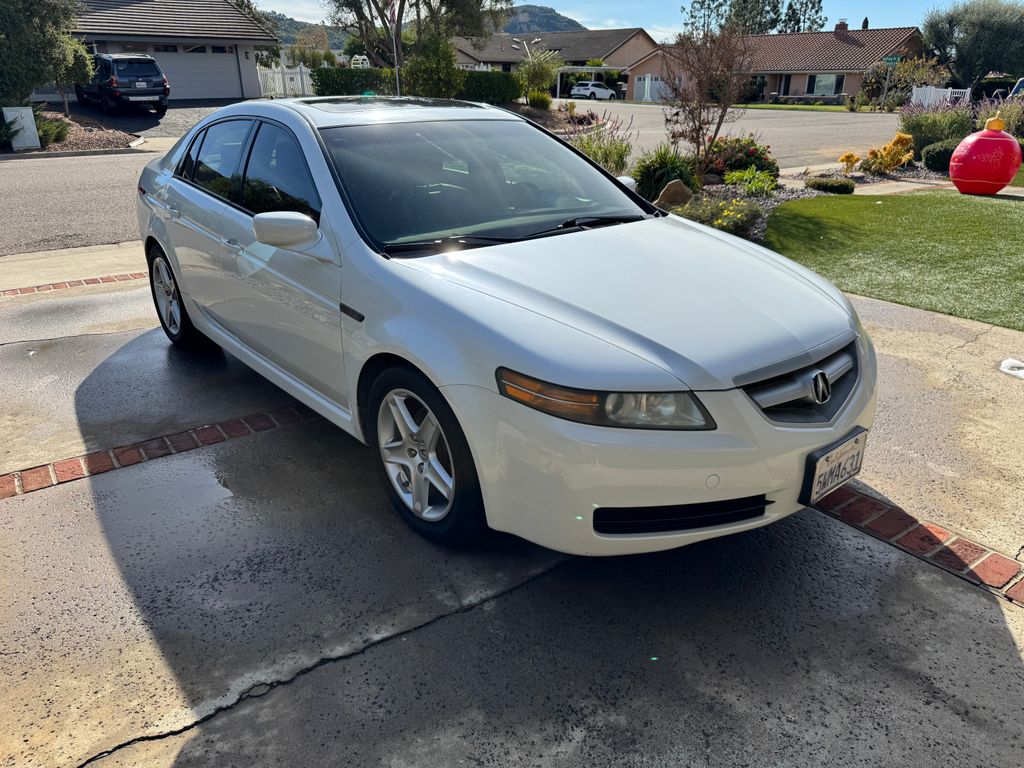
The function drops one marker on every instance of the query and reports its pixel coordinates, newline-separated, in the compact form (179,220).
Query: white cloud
(664,34)
(303,10)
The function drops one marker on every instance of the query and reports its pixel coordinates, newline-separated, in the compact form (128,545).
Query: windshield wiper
(587,222)
(441,242)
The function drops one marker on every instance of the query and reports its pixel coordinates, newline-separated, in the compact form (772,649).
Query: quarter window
(216,166)
(188,162)
(276,176)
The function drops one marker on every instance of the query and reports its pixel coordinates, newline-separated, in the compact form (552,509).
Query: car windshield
(497,180)
(136,68)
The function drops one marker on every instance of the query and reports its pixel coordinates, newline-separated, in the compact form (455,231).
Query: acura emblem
(821,390)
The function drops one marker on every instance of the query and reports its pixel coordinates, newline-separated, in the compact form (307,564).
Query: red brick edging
(63,471)
(74,283)
(928,541)
(954,553)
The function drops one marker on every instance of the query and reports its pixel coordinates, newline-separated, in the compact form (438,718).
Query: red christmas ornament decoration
(985,161)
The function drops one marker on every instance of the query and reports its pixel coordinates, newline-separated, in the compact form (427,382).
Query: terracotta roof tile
(854,50)
(571,46)
(194,19)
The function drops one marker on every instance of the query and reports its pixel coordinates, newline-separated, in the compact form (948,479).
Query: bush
(609,146)
(657,167)
(893,155)
(353,82)
(832,186)
(1012,113)
(539,100)
(849,161)
(735,153)
(754,182)
(538,72)
(432,71)
(936,156)
(491,87)
(928,125)
(737,217)
(51,131)
(852,104)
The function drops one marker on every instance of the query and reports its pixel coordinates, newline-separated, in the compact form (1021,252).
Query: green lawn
(942,251)
(803,107)
(1018,180)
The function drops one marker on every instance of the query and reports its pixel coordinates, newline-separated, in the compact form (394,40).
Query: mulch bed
(87,132)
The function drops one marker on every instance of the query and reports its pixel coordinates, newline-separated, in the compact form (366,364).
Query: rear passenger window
(217,164)
(188,162)
(276,177)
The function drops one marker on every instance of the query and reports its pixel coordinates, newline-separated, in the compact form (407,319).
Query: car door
(195,201)
(283,303)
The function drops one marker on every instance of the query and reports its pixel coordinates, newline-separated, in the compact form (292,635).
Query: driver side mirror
(285,229)
(628,181)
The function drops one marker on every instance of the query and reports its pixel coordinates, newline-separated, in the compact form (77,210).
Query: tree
(310,57)
(354,45)
(755,17)
(432,70)
(864,24)
(803,16)
(706,72)
(976,37)
(36,45)
(76,68)
(902,77)
(269,56)
(539,70)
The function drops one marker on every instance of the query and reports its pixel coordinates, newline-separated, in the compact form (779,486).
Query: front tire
(167,299)
(424,459)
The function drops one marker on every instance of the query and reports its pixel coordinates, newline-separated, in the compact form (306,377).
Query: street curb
(993,571)
(46,287)
(134,149)
(24,481)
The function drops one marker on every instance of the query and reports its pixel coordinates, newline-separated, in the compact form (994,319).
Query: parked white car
(592,90)
(525,343)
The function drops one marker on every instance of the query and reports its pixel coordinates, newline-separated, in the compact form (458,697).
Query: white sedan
(592,90)
(526,344)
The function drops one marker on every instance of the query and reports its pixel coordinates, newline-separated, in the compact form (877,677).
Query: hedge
(936,156)
(832,186)
(489,87)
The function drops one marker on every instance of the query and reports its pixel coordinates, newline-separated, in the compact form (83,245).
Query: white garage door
(201,74)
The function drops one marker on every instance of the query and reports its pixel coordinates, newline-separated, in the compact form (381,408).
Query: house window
(784,88)
(195,49)
(133,47)
(825,85)
(162,48)
(222,49)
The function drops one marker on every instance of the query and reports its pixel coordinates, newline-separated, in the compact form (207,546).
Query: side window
(216,165)
(188,162)
(276,176)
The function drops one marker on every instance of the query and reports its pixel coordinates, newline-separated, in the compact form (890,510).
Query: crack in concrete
(74,336)
(261,689)
(967,343)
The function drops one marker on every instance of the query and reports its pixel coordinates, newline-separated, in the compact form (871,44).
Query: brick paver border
(978,564)
(45,287)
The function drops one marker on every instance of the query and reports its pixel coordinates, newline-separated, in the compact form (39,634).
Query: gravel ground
(767,204)
(900,174)
(180,116)
(87,133)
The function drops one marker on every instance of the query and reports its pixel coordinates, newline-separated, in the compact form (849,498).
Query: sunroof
(358,103)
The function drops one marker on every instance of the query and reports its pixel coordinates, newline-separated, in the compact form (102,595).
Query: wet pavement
(256,602)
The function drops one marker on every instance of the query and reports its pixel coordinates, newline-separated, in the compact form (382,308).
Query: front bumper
(543,477)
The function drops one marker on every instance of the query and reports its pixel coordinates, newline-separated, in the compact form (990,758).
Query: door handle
(233,244)
(173,212)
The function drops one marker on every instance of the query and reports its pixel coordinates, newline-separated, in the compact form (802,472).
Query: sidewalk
(28,269)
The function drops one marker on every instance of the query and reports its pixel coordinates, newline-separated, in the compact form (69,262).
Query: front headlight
(635,410)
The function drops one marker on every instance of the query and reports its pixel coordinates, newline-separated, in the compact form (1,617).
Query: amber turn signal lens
(574,404)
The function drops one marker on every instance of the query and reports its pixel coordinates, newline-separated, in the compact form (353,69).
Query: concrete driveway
(253,601)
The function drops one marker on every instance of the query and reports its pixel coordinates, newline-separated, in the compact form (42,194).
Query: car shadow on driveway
(181,115)
(266,606)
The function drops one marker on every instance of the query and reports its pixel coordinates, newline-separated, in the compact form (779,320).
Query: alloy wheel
(165,291)
(416,455)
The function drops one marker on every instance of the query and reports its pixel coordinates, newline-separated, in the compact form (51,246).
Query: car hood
(707,307)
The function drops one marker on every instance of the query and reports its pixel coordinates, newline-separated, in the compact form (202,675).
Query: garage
(207,48)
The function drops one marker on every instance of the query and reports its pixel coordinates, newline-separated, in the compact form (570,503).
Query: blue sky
(661,17)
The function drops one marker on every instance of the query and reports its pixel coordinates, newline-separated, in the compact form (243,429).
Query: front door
(283,303)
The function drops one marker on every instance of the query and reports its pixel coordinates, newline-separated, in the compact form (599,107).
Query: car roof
(125,56)
(332,111)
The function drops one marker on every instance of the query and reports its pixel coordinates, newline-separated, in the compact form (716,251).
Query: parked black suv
(125,78)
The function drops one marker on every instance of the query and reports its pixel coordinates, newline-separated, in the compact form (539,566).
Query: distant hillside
(288,29)
(539,18)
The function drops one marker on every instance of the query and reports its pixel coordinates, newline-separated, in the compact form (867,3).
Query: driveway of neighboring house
(181,115)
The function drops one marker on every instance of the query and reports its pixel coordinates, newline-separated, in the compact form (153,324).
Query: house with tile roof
(207,48)
(800,66)
(616,47)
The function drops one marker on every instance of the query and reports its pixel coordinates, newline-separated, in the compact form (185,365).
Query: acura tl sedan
(524,342)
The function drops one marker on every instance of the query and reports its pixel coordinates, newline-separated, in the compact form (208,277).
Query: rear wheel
(160,109)
(592,96)
(170,308)
(106,104)
(424,458)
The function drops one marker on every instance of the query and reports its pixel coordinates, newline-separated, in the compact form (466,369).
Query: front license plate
(833,465)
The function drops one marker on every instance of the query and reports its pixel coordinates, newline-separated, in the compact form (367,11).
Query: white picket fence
(280,82)
(930,96)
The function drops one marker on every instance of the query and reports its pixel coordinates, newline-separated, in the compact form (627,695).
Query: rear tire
(160,111)
(423,458)
(592,96)
(170,308)
(106,105)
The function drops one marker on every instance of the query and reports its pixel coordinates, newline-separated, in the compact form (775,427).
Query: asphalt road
(67,202)
(255,602)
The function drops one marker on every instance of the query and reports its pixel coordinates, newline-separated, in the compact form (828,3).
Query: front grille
(677,517)
(790,398)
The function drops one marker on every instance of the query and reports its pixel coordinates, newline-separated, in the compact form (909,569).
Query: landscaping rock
(711,179)
(674,194)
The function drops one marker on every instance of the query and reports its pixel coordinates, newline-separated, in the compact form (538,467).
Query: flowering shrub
(1012,112)
(849,161)
(754,182)
(893,155)
(928,125)
(609,146)
(737,217)
(736,153)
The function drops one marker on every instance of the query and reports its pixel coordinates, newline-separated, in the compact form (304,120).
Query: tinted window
(188,162)
(136,68)
(276,178)
(216,166)
(497,178)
